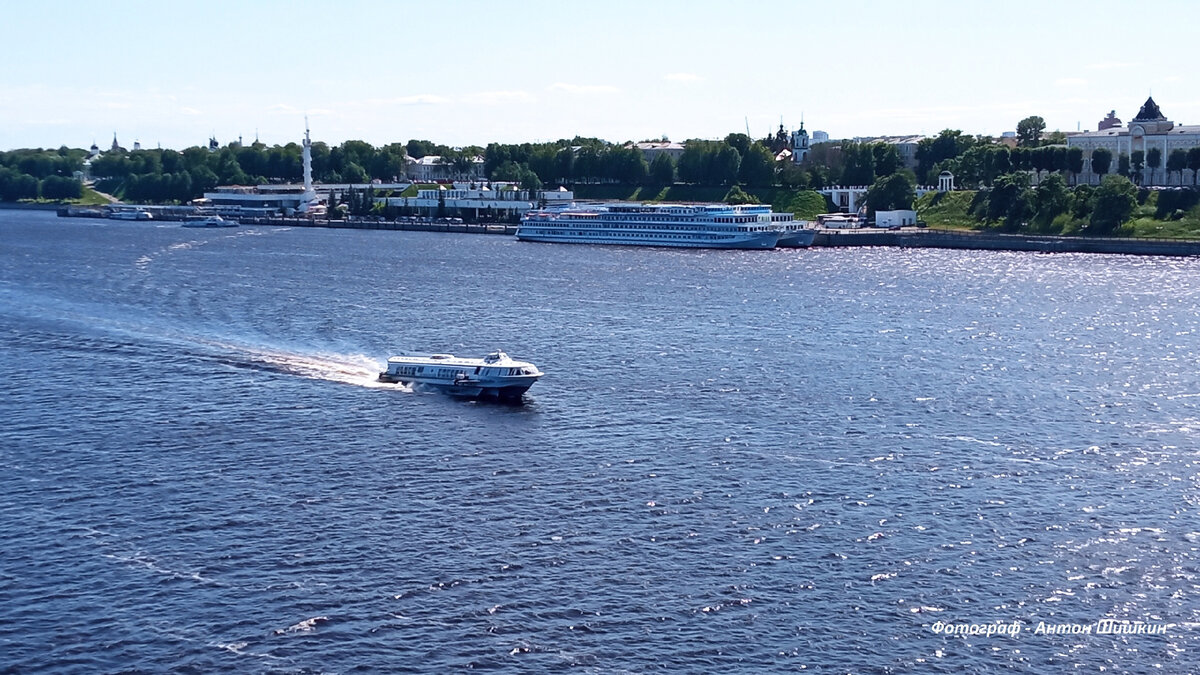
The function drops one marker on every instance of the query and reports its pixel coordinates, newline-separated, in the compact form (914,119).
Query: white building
(652,149)
(431,169)
(892,219)
(799,144)
(1150,129)
(265,200)
(497,200)
(906,147)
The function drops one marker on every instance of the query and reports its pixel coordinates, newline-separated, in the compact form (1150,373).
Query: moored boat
(208,221)
(674,225)
(130,214)
(493,376)
(793,233)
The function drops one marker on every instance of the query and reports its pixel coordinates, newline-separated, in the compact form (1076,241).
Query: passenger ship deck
(676,225)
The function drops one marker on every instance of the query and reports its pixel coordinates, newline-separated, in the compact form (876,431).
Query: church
(1149,130)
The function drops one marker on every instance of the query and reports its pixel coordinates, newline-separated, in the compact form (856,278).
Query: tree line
(38,173)
(1012,204)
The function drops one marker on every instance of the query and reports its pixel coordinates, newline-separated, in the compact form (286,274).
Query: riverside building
(1148,130)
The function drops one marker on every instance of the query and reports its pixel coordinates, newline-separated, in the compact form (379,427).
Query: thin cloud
(190,111)
(1111,65)
(1070,81)
(681,77)
(417,99)
(584,89)
(497,97)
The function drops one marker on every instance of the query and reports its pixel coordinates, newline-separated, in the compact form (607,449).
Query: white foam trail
(356,369)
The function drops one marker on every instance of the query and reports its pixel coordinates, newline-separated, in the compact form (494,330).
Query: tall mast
(307,158)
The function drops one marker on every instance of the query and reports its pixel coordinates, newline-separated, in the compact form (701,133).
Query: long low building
(500,200)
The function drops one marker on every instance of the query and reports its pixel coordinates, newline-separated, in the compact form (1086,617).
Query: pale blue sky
(472,72)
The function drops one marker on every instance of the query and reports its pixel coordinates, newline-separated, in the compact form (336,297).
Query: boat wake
(355,369)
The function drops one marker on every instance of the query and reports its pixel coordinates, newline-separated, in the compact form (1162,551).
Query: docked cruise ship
(493,376)
(680,225)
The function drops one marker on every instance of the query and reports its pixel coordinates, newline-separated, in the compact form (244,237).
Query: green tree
(1003,200)
(1123,164)
(725,166)
(1075,162)
(418,149)
(352,172)
(860,164)
(1059,159)
(531,182)
(737,195)
(588,163)
(740,142)
(1052,198)
(1154,161)
(1177,162)
(565,164)
(887,159)
(931,152)
(1193,162)
(15,185)
(662,170)
(758,167)
(1101,161)
(890,193)
(1001,160)
(628,166)
(1112,204)
(792,176)
(1029,131)
(1137,162)
(58,187)
(509,172)
(1020,159)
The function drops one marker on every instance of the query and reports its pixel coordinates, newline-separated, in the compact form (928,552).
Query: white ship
(678,225)
(493,376)
(130,214)
(793,233)
(208,221)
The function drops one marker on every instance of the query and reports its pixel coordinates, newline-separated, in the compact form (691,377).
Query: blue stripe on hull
(764,242)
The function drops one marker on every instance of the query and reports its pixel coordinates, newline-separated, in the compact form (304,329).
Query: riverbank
(903,238)
(984,241)
(30,206)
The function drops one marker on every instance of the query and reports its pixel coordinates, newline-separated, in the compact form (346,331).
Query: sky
(468,73)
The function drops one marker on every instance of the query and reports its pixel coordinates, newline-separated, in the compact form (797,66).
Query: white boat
(493,376)
(795,233)
(676,225)
(131,214)
(208,221)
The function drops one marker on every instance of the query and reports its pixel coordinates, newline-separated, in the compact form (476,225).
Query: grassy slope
(1143,223)
(947,210)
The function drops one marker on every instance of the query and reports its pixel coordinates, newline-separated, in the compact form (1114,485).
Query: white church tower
(800,144)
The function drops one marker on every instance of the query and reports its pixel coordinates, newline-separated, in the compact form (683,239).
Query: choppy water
(738,461)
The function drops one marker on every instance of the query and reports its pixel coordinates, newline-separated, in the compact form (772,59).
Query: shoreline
(19,206)
(904,238)
(988,241)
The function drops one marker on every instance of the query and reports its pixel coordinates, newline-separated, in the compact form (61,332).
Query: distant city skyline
(473,72)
